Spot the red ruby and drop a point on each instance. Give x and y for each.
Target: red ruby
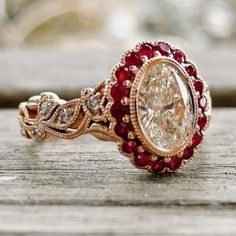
(202, 102)
(118, 110)
(133, 59)
(123, 74)
(142, 159)
(163, 48)
(146, 50)
(196, 140)
(202, 121)
(129, 146)
(122, 129)
(191, 70)
(118, 91)
(158, 166)
(198, 85)
(174, 163)
(187, 153)
(179, 56)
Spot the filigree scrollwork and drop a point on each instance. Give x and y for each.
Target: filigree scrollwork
(48, 115)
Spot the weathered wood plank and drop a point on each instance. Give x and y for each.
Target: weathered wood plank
(93, 172)
(26, 72)
(85, 186)
(84, 220)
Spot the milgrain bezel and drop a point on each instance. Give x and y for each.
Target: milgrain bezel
(134, 107)
(145, 143)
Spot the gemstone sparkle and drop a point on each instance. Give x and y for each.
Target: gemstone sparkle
(165, 106)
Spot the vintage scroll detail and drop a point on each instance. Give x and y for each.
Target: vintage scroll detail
(48, 115)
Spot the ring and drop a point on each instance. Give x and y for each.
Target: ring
(155, 106)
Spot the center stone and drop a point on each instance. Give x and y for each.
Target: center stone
(165, 106)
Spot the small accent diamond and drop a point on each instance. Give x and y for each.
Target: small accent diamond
(44, 108)
(37, 134)
(94, 102)
(65, 115)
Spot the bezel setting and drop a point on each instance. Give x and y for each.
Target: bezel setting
(140, 150)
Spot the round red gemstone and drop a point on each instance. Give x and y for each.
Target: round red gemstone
(122, 129)
(142, 159)
(196, 140)
(123, 74)
(187, 153)
(158, 166)
(191, 70)
(202, 102)
(119, 91)
(179, 56)
(146, 50)
(174, 163)
(133, 59)
(198, 85)
(118, 110)
(202, 122)
(163, 48)
(129, 146)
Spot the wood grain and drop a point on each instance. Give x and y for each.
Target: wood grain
(85, 186)
(26, 72)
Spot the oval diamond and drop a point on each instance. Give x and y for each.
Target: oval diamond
(165, 106)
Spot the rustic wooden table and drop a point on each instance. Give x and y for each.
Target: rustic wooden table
(86, 187)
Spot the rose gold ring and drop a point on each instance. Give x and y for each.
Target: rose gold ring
(155, 106)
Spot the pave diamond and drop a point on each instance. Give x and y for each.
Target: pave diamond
(65, 115)
(94, 102)
(44, 108)
(37, 134)
(165, 106)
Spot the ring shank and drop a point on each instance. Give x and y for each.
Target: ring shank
(47, 115)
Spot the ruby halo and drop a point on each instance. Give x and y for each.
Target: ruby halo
(160, 107)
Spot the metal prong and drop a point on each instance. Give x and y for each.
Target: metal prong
(131, 135)
(134, 69)
(127, 83)
(126, 118)
(140, 149)
(125, 101)
(167, 159)
(157, 54)
(144, 58)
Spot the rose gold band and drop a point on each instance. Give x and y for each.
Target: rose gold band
(47, 115)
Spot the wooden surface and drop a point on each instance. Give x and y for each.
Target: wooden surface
(84, 186)
(26, 72)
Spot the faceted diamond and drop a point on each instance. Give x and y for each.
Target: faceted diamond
(44, 108)
(37, 134)
(165, 106)
(65, 115)
(94, 103)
